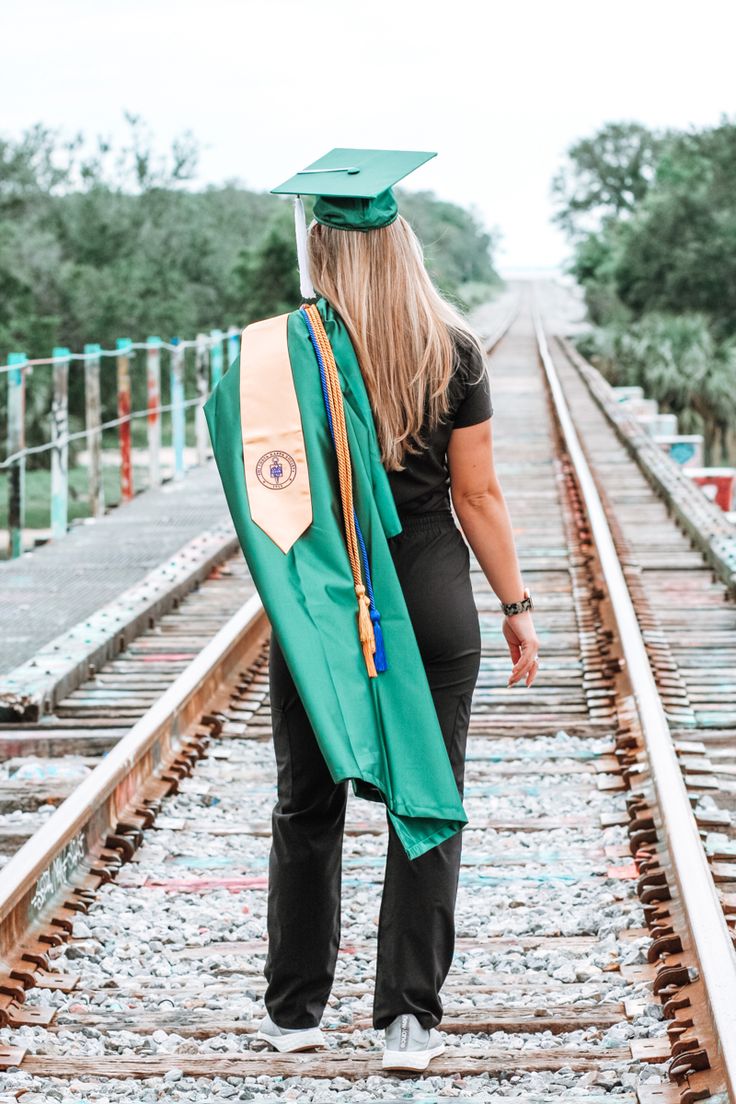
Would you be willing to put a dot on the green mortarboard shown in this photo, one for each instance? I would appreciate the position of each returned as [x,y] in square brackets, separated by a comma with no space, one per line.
[353,190]
[353,186]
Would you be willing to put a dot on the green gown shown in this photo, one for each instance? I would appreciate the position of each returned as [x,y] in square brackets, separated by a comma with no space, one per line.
[382,733]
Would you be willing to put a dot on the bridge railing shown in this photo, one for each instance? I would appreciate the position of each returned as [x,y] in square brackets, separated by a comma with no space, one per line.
[137,373]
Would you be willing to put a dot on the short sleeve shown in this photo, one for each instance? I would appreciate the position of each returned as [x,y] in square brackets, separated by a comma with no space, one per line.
[475,403]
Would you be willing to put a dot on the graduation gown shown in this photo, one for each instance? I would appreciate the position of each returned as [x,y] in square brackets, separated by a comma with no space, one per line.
[382,733]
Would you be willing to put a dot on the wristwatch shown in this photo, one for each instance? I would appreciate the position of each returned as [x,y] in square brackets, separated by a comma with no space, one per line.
[511,608]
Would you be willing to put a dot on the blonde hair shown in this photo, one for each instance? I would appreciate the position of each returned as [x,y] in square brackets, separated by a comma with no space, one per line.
[404,333]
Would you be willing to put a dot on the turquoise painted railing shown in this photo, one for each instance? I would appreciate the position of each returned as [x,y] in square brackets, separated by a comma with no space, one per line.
[211,354]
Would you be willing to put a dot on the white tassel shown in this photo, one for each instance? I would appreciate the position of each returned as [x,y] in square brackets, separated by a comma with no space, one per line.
[300,225]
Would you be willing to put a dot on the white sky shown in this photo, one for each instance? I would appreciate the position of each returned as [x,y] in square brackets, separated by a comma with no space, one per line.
[498,89]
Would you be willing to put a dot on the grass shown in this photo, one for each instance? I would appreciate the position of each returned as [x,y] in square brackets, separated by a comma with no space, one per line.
[38,494]
[38,482]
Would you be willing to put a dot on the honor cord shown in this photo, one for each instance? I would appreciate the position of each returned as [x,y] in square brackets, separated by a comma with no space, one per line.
[371,635]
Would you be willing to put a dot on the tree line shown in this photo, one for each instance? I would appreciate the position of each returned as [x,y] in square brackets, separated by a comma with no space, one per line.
[651,216]
[100,241]
[117,240]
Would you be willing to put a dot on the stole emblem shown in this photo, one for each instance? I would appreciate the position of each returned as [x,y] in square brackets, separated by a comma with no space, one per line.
[276,469]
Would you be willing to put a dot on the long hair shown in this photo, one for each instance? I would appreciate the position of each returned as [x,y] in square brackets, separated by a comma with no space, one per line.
[406,336]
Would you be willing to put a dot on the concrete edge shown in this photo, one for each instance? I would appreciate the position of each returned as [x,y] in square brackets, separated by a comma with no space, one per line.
[35,686]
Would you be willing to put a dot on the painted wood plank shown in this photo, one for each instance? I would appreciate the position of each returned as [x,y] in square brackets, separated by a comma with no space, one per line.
[59,440]
[124,411]
[16,446]
[457,1062]
[92,421]
[178,412]
[153,404]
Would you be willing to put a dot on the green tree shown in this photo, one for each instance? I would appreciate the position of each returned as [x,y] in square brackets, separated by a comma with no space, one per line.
[458,250]
[677,361]
[652,222]
[679,251]
[266,275]
[605,176]
[594,267]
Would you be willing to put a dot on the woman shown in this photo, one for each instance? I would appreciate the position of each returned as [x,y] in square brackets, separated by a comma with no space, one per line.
[429,393]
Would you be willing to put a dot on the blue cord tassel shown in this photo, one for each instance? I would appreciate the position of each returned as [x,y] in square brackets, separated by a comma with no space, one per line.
[379,657]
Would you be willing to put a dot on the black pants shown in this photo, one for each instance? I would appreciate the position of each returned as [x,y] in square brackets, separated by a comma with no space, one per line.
[416,932]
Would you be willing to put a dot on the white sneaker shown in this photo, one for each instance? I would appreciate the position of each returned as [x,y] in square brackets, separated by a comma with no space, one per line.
[287,1039]
[409,1046]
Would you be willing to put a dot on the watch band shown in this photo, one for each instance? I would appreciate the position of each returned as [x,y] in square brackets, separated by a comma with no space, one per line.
[511,608]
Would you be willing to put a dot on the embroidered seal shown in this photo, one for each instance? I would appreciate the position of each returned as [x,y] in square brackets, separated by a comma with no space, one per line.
[276,470]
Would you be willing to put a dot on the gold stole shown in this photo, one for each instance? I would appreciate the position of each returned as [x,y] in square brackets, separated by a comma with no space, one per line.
[274,457]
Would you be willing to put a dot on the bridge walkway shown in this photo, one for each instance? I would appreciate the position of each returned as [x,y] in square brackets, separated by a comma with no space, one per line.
[53,588]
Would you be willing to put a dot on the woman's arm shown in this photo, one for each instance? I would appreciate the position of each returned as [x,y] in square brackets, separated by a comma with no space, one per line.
[481,510]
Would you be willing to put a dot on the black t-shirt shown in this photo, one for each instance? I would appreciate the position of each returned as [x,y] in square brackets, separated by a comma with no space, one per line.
[424,483]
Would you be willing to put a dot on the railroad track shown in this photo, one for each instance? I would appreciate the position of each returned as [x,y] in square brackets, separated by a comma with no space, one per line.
[44,760]
[131,925]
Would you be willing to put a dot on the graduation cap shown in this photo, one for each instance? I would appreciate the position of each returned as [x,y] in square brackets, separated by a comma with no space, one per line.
[353,190]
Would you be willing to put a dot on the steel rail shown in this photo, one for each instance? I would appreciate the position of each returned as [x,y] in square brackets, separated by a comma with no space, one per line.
[39,683]
[703,913]
[492,342]
[88,815]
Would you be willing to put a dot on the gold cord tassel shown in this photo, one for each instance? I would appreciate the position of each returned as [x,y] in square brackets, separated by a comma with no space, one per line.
[365,630]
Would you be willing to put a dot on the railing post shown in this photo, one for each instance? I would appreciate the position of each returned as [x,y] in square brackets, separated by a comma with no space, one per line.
[215,356]
[16,443]
[93,421]
[233,344]
[178,422]
[123,382]
[59,435]
[200,425]
[153,386]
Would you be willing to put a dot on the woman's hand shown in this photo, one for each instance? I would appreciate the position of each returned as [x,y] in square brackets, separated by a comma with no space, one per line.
[523,646]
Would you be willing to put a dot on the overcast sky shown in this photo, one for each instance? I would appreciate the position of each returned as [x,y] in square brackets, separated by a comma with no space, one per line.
[499,90]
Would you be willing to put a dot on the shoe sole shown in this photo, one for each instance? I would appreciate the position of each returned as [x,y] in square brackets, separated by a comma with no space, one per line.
[413,1060]
[289,1044]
